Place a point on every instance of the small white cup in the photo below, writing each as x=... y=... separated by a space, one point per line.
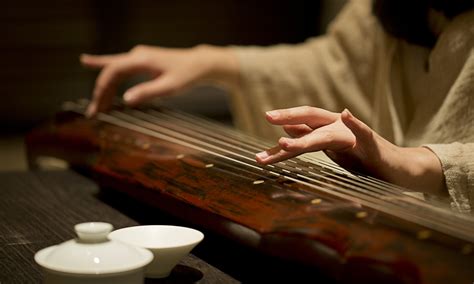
x=169 y=244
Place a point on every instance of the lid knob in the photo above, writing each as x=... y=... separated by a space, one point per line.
x=93 y=232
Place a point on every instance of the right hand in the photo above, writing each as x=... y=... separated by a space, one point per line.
x=355 y=146
x=171 y=70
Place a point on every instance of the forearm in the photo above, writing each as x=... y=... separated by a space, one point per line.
x=416 y=168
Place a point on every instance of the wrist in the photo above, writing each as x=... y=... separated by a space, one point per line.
x=220 y=64
x=428 y=171
x=418 y=169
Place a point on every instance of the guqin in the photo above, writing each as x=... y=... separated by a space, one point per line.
x=354 y=227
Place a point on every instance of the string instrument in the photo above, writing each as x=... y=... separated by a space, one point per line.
x=355 y=228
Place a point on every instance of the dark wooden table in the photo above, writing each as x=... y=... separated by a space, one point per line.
x=39 y=209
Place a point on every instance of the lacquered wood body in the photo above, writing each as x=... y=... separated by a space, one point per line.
x=278 y=217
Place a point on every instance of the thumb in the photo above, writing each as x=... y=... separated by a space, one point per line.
x=142 y=92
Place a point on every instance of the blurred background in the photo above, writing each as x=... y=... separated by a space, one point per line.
x=42 y=41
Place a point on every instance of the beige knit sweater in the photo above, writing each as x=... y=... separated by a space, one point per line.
x=410 y=95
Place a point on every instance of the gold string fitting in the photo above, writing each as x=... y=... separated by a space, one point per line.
x=361 y=214
x=209 y=165
x=316 y=201
x=259 y=181
x=423 y=234
x=180 y=156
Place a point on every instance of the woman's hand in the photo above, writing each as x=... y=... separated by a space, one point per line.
x=171 y=70
x=353 y=145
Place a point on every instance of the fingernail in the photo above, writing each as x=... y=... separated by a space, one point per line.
x=84 y=56
x=262 y=155
x=129 y=96
x=90 y=111
x=273 y=114
x=348 y=112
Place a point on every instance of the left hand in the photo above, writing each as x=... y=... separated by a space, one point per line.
x=353 y=145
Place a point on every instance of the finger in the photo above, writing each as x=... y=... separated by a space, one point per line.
x=99 y=61
x=297 y=130
x=273 y=155
x=362 y=132
x=162 y=86
x=109 y=79
x=311 y=116
x=100 y=104
x=324 y=138
x=91 y=110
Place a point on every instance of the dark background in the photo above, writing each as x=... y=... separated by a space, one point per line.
x=42 y=41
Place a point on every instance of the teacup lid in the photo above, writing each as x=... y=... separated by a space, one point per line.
x=93 y=253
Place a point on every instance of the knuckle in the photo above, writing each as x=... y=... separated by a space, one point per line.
x=304 y=145
x=307 y=109
x=112 y=72
x=283 y=143
x=327 y=137
x=370 y=134
x=143 y=54
x=139 y=48
x=308 y=112
x=296 y=146
x=141 y=58
x=107 y=77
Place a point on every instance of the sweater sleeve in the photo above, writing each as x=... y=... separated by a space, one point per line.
x=457 y=160
x=331 y=71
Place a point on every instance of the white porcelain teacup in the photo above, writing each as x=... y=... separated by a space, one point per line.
x=169 y=244
x=92 y=258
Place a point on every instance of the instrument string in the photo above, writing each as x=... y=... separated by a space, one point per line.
x=204 y=133
x=252 y=176
x=255 y=145
x=302 y=161
x=207 y=125
x=371 y=184
x=402 y=197
x=131 y=122
x=359 y=195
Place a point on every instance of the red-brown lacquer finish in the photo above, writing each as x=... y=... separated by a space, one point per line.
x=353 y=244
